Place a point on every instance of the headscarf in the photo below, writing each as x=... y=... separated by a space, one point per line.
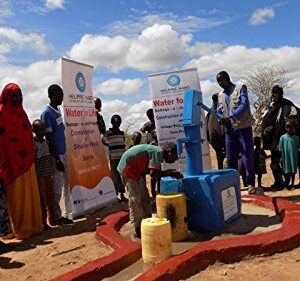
x=276 y=117
x=16 y=142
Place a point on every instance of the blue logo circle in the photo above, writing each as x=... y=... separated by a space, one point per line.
x=173 y=80
x=80 y=82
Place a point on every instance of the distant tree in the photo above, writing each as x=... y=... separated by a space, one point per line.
x=260 y=81
x=127 y=134
x=129 y=124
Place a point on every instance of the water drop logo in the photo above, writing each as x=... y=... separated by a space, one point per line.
x=173 y=80
x=80 y=82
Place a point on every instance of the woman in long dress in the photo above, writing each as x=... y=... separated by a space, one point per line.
x=17 y=170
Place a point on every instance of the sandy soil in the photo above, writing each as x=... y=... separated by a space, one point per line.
x=62 y=249
x=278 y=267
x=59 y=250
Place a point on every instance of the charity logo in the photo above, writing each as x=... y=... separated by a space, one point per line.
x=173 y=80
x=80 y=82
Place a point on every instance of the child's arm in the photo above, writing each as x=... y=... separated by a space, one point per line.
x=35 y=148
x=46 y=118
x=280 y=145
x=168 y=173
x=268 y=130
x=105 y=139
x=124 y=139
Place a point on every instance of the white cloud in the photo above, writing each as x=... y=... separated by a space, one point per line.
x=115 y=86
x=204 y=48
x=4 y=48
x=179 y=23
x=133 y=115
x=260 y=16
x=5 y=9
x=157 y=47
x=99 y=50
x=14 y=39
x=208 y=88
x=55 y=4
x=34 y=81
x=238 y=59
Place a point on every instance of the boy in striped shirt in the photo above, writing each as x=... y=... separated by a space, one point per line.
x=115 y=140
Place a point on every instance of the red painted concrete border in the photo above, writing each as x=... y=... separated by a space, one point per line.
x=126 y=252
x=197 y=258
x=206 y=253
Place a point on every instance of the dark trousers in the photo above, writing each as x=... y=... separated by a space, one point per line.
x=241 y=141
x=220 y=153
x=46 y=197
x=116 y=178
x=276 y=168
x=242 y=170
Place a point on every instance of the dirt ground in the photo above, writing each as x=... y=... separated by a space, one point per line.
x=278 y=267
x=53 y=252
x=62 y=249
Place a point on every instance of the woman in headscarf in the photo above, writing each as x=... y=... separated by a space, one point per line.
x=17 y=170
x=273 y=127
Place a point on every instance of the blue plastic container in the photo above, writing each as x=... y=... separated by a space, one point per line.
x=213 y=198
x=169 y=185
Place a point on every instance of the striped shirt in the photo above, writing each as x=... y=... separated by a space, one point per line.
x=115 y=140
x=43 y=161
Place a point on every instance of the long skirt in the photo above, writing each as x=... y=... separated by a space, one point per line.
x=4 y=222
x=23 y=204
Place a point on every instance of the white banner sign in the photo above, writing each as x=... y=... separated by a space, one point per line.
x=167 y=90
x=89 y=176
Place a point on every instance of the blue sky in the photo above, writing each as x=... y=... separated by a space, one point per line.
x=128 y=40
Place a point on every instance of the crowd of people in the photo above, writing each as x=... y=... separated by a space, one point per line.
x=34 y=172
x=230 y=133
x=33 y=166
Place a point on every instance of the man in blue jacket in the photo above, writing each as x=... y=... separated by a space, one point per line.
x=233 y=112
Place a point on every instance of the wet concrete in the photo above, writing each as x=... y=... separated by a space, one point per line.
x=254 y=220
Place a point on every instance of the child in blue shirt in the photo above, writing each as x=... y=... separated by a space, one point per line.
x=289 y=147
